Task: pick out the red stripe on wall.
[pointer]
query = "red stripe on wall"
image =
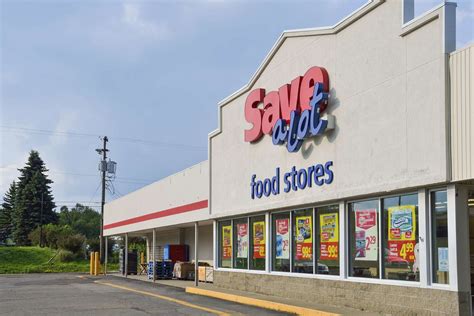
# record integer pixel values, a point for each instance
(171, 211)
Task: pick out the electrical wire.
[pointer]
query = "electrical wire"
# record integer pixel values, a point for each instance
(121, 179)
(118, 138)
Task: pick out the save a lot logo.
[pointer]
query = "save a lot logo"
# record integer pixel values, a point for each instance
(291, 114)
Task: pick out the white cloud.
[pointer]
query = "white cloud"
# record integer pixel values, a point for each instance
(8, 173)
(132, 17)
(67, 119)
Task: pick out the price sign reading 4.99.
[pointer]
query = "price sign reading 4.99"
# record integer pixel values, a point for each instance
(401, 233)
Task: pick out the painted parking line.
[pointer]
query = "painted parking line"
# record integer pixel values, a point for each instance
(166, 298)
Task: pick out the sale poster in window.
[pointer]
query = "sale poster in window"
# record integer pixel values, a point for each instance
(366, 235)
(304, 238)
(226, 242)
(282, 239)
(329, 236)
(242, 240)
(259, 240)
(401, 233)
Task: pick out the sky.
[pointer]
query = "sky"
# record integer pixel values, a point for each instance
(148, 74)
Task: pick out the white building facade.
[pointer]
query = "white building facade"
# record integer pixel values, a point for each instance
(341, 174)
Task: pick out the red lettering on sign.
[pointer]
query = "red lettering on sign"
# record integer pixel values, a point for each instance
(279, 104)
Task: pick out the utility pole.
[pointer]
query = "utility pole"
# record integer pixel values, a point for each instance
(103, 168)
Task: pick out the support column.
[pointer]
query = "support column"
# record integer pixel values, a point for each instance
(214, 244)
(343, 262)
(424, 238)
(458, 239)
(126, 254)
(196, 256)
(153, 260)
(106, 238)
(268, 239)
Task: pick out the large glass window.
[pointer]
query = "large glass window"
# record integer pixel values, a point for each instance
(225, 244)
(439, 229)
(281, 242)
(400, 238)
(364, 239)
(327, 225)
(241, 243)
(257, 245)
(303, 235)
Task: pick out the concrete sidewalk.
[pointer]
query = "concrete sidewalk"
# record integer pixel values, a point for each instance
(254, 299)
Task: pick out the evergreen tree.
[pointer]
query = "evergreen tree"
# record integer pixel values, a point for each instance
(33, 191)
(6, 212)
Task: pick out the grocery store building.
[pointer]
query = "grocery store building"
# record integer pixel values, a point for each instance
(341, 174)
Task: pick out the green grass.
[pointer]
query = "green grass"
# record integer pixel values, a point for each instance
(35, 260)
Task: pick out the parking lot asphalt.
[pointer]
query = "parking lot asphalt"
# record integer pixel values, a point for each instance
(74, 294)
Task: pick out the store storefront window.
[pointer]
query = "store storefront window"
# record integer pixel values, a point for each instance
(327, 225)
(439, 229)
(400, 238)
(225, 244)
(302, 244)
(241, 243)
(257, 245)
(364, 239)
(281, 242)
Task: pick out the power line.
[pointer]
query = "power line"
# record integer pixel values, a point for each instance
(93, 194)
(80, 202)
(118, 138)
(127, 180)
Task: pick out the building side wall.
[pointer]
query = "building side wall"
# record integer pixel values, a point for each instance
(172, 236)
(387, 96)
(461, 64)
(205, 243)
(184, 188)
(390, 299)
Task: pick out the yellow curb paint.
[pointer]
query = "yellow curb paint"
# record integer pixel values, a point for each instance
(260, 303)
(170, 299)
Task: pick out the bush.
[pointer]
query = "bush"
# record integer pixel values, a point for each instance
(34, 236)
(93, 244)
(66, 256)
(73, 243)
(51, 235)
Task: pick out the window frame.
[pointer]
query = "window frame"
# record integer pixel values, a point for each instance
(430, 247)
(423, 193)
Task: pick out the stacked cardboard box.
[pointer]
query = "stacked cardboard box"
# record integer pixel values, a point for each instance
(206, 274)
(183, 270)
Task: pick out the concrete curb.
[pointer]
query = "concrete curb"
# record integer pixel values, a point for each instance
(260, 303)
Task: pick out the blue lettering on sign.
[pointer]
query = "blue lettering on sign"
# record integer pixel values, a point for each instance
(293, 180)
(304, 125)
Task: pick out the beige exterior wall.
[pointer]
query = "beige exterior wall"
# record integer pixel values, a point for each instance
(188, 186)
(387, 93)
(386, 299)
(461, 65)
(205, 246)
